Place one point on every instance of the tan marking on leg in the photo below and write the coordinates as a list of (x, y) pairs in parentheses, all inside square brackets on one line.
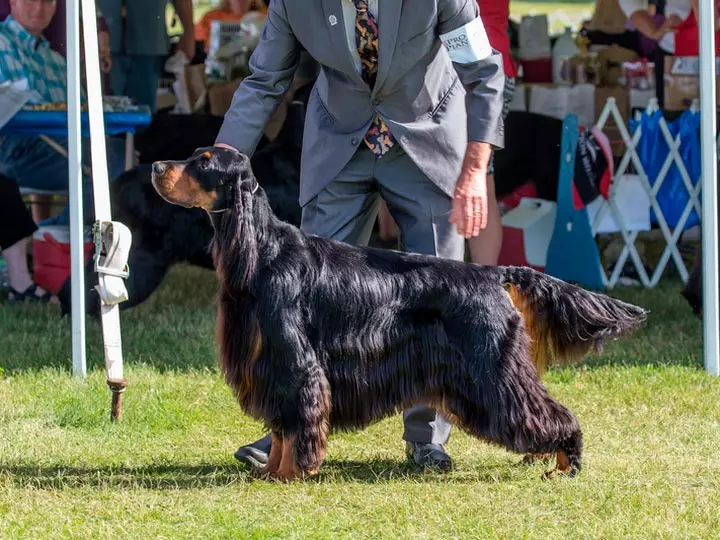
[(273, 462), (562, 466), (287, 469)]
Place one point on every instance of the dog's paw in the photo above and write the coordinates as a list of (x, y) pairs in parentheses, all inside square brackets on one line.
[(261, 473), (563, 467), (286, 476)]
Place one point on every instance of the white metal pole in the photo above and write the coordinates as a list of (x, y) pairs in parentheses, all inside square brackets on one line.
[(711, 332), (77, 241)]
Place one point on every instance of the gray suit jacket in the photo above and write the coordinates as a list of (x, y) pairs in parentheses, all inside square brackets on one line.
[(431, 105)]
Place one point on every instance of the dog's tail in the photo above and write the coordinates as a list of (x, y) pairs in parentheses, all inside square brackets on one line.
[(564, 321)]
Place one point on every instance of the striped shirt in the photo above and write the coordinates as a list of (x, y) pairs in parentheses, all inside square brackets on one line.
[(23, 56)]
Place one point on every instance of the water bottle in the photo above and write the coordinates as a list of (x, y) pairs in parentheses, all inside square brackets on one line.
[(562, 52)]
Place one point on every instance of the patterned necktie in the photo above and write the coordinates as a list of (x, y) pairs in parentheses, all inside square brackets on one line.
[(378, 137)]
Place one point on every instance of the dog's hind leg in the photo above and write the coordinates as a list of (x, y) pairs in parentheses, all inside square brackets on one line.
[(509, 405)]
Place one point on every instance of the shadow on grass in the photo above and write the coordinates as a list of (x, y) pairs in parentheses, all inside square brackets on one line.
[(205, 476)]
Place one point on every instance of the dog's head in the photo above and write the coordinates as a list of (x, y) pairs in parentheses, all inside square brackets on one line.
[(210, 179)]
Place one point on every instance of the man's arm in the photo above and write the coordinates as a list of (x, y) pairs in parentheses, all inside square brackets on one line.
[(478, 66), (184, 10), (480, 70), (272, 66)]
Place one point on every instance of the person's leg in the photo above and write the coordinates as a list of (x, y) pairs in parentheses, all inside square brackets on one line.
[(143, 79), (346, 211), (658, 57), (16, 228), (421, 211), (119, 74), (40, 206), (485, 248), (32, 163), (387, 228)]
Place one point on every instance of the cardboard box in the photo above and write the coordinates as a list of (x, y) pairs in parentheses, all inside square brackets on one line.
[(220, 96), (682, 82), (608, 17)]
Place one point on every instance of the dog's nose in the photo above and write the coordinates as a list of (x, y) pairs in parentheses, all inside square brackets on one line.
[(159, 167)]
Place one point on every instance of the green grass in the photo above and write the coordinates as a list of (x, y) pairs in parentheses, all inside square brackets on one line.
[(560, 13), (650, 417)]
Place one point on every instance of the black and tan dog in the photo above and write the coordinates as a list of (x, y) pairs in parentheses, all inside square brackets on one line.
[(318, 335)]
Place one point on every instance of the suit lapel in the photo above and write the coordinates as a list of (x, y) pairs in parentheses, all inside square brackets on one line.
[(388, 23), (333, 8)]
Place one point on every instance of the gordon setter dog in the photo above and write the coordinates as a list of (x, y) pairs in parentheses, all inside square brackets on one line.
[(317, 334), (165, 234)]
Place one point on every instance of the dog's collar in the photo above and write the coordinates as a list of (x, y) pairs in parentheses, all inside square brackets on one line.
[(257, 185)]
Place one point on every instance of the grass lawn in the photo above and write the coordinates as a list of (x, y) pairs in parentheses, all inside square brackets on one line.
[(650, 417)]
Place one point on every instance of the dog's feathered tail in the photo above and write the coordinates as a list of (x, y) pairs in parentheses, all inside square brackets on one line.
[(564, 321)]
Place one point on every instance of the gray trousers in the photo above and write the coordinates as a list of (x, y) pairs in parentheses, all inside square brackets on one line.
[(346, 210)]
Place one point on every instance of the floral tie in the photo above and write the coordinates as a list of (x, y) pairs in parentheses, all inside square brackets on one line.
[(378, 137)]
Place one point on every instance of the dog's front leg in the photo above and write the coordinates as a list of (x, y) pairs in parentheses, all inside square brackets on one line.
[(275, 457), (306, 428), (301, 391)]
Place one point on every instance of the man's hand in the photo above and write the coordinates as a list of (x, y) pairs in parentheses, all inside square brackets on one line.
[(223, 145), (470, 202)]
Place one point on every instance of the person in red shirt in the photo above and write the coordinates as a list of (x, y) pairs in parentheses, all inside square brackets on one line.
[(495, 14), (687, 39)]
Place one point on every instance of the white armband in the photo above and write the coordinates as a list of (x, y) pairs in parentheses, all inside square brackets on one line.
[(467, 44)]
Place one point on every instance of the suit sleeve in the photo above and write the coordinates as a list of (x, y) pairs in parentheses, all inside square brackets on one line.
[(479, 67), (272, 66)]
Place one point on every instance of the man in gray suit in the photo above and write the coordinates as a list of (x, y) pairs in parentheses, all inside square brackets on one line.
[(407, 107)]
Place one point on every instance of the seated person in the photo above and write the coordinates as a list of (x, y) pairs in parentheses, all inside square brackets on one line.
[(26, 54), (16, 228), (641, 15), (55, 32), (229, 10)]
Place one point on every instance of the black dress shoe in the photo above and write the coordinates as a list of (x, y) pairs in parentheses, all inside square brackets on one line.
[(255, 454), (428, 456)]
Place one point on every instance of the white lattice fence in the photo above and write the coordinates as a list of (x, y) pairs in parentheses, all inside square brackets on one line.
[(631, 156)]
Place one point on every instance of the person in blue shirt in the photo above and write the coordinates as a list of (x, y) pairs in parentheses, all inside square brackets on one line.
[(26, 54)]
